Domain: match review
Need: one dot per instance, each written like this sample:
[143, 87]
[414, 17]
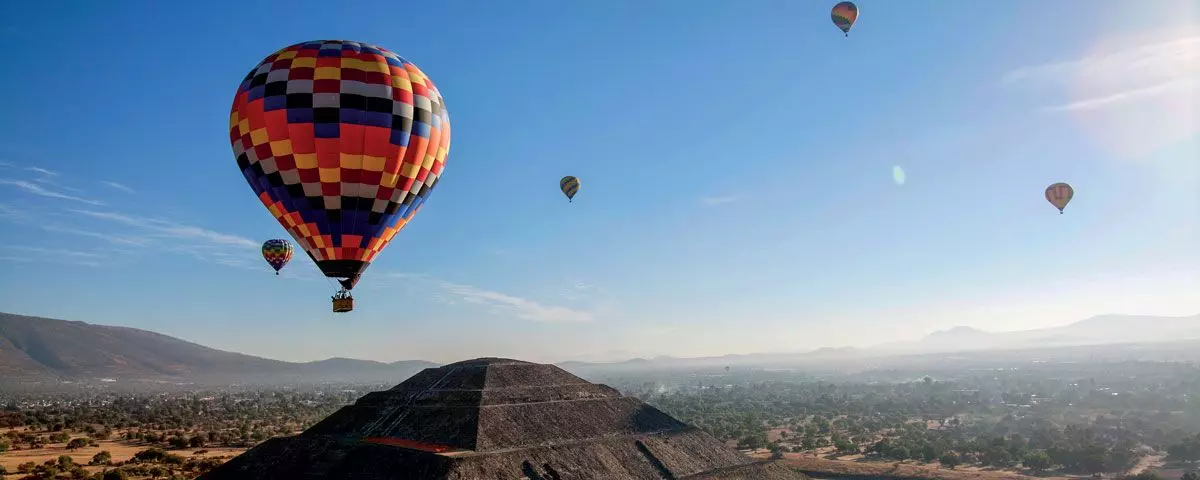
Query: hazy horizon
[738, 166]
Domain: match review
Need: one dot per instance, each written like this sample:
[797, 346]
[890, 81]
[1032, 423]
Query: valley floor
[850, 467]
[121, 451]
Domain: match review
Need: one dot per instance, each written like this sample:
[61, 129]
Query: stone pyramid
[493, 418]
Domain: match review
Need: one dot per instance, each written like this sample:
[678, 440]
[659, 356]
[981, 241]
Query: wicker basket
[341, 305]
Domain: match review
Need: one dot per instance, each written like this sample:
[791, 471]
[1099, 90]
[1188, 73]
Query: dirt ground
[121, 450]
[840, 468]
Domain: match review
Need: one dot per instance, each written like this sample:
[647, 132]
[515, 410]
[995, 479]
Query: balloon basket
[342, 305]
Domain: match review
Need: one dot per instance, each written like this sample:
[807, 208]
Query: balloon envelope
[1059, 195]
[277, 252]
[342, 142]
[569, 186]
[844, 14]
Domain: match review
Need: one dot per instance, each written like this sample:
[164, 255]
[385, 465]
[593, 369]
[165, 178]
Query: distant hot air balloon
[844, 14]
[342, 142]
[1060, 195]
[569, 186]
[277, 253]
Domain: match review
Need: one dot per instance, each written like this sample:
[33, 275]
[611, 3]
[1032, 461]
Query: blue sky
[736, 160]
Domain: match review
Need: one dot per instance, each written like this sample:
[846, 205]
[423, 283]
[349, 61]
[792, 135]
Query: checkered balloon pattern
[277, 252]
[343, 142]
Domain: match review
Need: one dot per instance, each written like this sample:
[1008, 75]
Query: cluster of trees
[178, 421]
[153, 463]
[1187, 450]
[1006, 418]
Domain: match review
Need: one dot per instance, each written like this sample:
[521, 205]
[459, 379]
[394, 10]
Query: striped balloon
[569, 186]
[277, 253]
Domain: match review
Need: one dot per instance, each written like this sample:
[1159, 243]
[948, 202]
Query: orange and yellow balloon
[844, 14]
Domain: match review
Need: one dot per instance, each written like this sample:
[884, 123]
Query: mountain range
[34, 349]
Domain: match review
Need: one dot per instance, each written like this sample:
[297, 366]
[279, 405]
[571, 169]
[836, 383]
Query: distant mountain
[1098, 330]
[33, 348]
[40, 349]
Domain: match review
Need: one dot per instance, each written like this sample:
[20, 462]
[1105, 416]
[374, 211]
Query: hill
[34, 348]
[1098, 330]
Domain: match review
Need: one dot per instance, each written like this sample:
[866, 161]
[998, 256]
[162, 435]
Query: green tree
[1190, 476]
[1037, 461]
[199, 440]
[114, 475]
[949, 460]
[77, 443]
[65, 462]
[845, 447]
[101, 458]
[997, 457]
[177, 442]
[4, 445]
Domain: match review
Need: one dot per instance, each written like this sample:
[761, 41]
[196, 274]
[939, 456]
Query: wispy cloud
[1123, 96]
[43, 171]
[1119, 76]
[521, 307]
[721, 200]
[39, 190]
[116, 238]
[10, 212]
[451, 293]
[119, 186]
[21, 253]
[165, 228]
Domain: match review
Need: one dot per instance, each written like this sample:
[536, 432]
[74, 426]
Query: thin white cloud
[1116, 77]
[451, 294]
[718, 200]
[119, 186]
[43, 171]
[52, 251]
[521, 307]
[39, 190]
[1173, 58]
[116, 238]
[10, 212]
[1120, 97]
[50, 255]
[170, 229]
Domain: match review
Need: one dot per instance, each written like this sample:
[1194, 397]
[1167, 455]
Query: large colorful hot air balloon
[844, 14]
[569, 186]
[1059, 195]
[277, 252]
[342, 142]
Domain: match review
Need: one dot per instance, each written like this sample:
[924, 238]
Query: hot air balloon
[569, 186]
[342, 142]
[1060, 195]
[844, 14]
[277, 252]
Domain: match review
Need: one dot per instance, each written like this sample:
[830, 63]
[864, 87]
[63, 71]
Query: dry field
[121, 450]
[822, 467]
